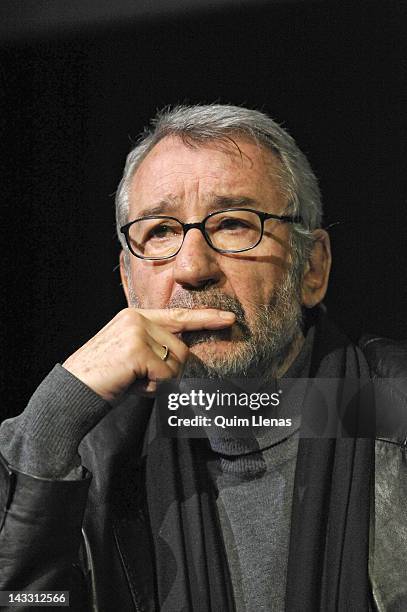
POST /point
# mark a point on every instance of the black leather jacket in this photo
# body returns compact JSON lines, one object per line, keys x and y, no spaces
{"x":45,"y":523}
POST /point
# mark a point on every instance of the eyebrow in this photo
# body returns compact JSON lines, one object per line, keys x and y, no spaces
{"x":167,"y":206}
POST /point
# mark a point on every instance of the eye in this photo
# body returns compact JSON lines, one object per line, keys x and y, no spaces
{"x":232,"y":223}
{"x":161,"y":231}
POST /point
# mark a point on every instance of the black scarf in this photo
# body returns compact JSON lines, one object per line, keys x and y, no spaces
{"x":328,"y":556}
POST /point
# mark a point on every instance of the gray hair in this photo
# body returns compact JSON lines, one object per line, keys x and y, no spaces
{"x":197,"y":124}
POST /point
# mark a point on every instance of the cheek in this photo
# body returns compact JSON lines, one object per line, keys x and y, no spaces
{"x":255,"y":278}
{"x":254,"y":282}
{"x":152,"y":284}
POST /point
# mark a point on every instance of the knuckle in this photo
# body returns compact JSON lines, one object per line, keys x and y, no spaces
{"x":123,"y":314}
{"x":178,"y":314}
{"x":130,"y":316}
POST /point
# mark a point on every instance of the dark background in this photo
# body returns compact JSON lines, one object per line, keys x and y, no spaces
{"x":79,"y":80}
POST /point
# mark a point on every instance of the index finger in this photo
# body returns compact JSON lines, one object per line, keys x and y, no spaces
{"x":184,"y":319}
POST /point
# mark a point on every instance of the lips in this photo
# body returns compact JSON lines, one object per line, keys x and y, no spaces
{"x":192,"y":338}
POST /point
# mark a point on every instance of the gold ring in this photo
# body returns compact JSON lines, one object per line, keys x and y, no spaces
{"x":164,"y":357}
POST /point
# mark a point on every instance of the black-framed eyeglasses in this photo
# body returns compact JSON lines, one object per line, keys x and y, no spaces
{"x":227,"y":231}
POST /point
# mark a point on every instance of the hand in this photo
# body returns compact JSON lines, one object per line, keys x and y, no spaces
{"x":130,"y":346}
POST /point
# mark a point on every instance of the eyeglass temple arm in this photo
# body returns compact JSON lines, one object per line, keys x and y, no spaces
{"x":283,"y":218}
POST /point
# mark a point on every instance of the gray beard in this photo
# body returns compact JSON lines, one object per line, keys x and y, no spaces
{"x":264,"y":344}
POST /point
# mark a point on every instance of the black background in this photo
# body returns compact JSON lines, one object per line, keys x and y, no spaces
{"x":75,"y":94}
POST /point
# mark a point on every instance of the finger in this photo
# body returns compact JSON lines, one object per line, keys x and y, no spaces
{"x":163,"y":337}
{"x":184,"y":319}
{"x":154,"y":368}
{"x":171,"y":361}
{"x":143,"y":387}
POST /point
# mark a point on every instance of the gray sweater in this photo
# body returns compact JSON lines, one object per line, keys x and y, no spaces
{"x":255,"y":490}
{"x":43,"y":440}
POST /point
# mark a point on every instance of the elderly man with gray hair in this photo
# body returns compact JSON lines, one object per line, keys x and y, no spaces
{"x":224,"y":265}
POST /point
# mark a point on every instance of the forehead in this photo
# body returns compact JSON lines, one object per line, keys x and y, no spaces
{"x":178,"y":174}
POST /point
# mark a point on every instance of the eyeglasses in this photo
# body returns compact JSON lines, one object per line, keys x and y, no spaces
{"x":228,"y":231}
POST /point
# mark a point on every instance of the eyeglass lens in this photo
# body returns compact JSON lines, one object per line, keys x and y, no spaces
{"x":227,"y":231}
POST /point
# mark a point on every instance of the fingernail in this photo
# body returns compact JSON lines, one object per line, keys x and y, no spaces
{"x":228,"y":316}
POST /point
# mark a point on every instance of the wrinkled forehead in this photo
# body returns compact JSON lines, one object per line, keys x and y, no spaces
{"x":177,"y":170}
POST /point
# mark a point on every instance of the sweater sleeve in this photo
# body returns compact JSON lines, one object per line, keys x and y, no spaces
{"x":43,"y":440}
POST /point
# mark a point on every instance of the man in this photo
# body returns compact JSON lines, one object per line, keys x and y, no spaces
{"x":224,"y":266}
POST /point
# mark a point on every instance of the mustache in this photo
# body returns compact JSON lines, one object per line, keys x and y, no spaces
{"x":212,"y":298}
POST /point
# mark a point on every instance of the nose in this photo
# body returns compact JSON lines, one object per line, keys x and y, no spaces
{"x":196,"y":263}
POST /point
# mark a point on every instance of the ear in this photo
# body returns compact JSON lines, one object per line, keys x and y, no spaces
{"x":316,"y":273}
{"x":123,"y":276}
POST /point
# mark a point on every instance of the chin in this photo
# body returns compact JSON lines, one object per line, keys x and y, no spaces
{"x":214,"y":354}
